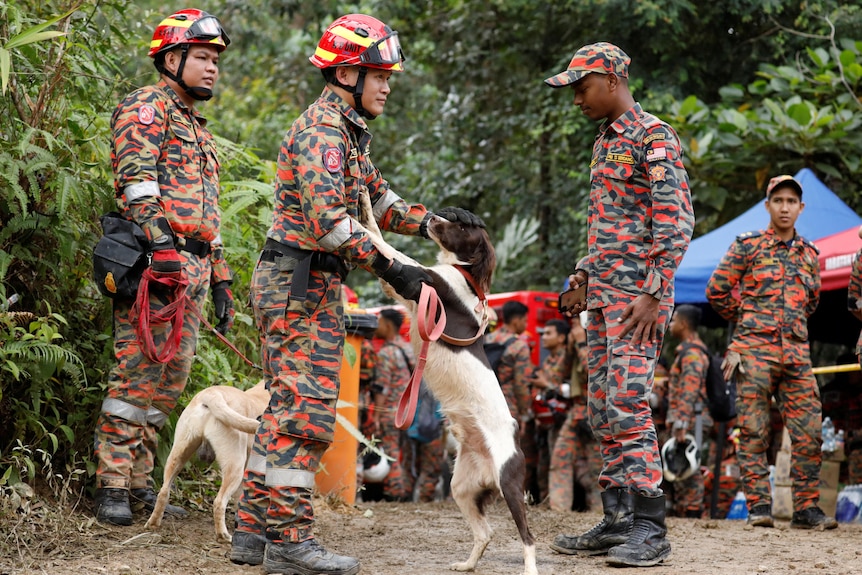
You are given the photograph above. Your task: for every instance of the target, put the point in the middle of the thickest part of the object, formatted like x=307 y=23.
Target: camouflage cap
x=601 y=57
x=784 y=181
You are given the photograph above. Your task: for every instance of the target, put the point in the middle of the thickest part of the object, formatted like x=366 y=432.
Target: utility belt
x=196 y=247
x=301 y=262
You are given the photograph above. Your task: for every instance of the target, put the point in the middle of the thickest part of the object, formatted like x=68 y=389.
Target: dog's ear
x=484 y=259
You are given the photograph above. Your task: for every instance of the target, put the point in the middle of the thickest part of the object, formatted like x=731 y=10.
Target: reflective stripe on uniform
x=140 y=190
x=256 y=463
x=125 y=410
x=382 y=205
x=156 y=418
x=339 y=234
x=282 y=477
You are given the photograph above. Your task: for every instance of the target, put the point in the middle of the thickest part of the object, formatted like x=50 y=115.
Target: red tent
x=836 y=258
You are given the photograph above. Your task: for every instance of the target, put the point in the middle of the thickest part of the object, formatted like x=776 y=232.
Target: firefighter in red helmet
x=323 y=167
x=166 y=179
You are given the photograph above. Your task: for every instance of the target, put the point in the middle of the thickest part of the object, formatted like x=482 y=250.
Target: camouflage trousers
x=536 y=441
x=798 y=400
x=423 y=465
x=620 y=382
x=576 y=459
x=854 y=466
x=302 y=344
x=391 y=441
x=689 y=494
x=142 y=393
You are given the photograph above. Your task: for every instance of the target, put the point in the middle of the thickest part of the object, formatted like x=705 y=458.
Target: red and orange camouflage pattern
x=640 y=223
x=125 y=448
x=686 y=385
x=779 y=288
x=323 y=165
x=513 y=371
x=854 y=294
x=393 y=374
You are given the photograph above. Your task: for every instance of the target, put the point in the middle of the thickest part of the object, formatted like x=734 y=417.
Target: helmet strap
x=356 y=91
x=197 y=92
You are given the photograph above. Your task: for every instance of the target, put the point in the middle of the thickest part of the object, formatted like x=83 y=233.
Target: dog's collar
x=480 y=293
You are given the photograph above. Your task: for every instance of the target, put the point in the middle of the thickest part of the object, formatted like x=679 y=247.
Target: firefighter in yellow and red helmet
x=166 y=179
x=324 y=165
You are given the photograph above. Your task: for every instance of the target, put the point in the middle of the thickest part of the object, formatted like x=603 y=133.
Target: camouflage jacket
x=687 y=385
x=854 y=292
x=640 y=214
x=557 y=365
x=393 y=370
x=779 y=287
x=323 y=164
x=514 y=371
x=165 y=166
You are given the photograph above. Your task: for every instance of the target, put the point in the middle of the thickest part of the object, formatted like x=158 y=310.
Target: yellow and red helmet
x=359 y=40
x=189 y=26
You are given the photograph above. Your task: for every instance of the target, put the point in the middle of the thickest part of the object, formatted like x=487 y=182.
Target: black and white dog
x=489 y=459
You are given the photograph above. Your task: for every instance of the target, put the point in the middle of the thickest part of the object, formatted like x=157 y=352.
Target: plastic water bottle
x=738 y=509
x=828 y=435
x=849 y=503
x=772 y=480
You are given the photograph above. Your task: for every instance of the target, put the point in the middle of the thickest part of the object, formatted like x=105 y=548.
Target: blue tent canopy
x=824 y=215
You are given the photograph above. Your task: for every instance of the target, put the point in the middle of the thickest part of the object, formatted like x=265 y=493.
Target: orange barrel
x=337 y=475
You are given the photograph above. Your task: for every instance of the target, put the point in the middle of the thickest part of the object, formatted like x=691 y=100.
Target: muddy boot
x=647 y=544
x=306 y=558
x=144 y=499
x=112 y=506
x=612 y=530
x=247 y=548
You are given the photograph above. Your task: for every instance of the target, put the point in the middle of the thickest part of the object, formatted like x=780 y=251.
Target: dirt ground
x=420 y=539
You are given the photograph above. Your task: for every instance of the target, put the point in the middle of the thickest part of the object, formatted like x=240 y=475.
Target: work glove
x=732 y=362
x=224 y=312
x=166 y=263
x=466 y=217
x=406 y=280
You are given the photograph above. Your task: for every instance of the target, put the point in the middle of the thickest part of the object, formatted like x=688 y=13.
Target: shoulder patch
x=657 y=174
x=747 y=235
x=332 y=159
x=146 y=114
x=656 y=153
x=653 y=137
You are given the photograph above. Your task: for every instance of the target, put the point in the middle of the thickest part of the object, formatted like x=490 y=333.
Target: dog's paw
x=463 y=566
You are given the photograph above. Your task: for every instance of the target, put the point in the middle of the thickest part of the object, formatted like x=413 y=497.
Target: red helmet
x=359 y=40
x=190 y=26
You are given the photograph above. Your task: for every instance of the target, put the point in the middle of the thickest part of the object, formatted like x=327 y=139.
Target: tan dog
x=225 y=417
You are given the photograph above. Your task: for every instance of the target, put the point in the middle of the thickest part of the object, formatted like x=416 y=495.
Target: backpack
x=720 y=394
x=427 y=423
x=494 y=351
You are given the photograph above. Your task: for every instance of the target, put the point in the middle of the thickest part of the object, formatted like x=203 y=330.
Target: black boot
x=612 y=530
x=112 y=506
x=306 y=558
x=144 y=499
x=647 y=544
x=247 y=548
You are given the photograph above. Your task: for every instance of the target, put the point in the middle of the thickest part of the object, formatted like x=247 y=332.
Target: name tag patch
x=620 y=158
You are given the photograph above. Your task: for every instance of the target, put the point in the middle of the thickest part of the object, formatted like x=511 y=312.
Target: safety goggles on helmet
x=207 y=28
x=384 y=52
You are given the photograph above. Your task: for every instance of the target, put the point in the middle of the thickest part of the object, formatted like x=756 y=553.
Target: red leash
x=172 y=314
x=430 y=329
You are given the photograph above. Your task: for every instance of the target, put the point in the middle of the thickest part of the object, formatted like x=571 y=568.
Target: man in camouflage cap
x=323 y=167
x=640 y=224
x=768 y=284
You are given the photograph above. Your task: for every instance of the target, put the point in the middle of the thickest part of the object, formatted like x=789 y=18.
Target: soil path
x=423 y=539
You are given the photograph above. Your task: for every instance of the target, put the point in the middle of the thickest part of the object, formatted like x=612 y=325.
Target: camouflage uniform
x=513 y=371
x=165 y=167
x=423 y=465
x=576 y=456
x=779 y=287
x=394 y=361
x=853 y=440
x=323 y=164
x=640 y=225
x=557 y=366
x=685 y=388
